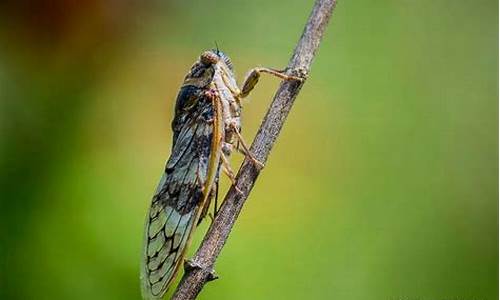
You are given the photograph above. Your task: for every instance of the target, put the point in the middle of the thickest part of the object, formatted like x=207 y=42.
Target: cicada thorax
x=228 y=94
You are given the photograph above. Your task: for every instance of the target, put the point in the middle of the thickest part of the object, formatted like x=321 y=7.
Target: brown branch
x=200 y=269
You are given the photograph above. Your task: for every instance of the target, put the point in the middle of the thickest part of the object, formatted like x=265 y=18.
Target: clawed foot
x=259 y=165
x=299 y=75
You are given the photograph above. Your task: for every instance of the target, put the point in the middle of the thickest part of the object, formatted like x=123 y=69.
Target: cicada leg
x=254 y=75
x=246 y=149
x=213 y=193
x=216 y=206
x=226 y=167
x=248 y=85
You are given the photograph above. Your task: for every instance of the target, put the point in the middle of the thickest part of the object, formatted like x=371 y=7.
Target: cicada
x=206 y=129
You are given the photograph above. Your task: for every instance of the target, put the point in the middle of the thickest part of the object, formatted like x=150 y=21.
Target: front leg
x=254 y=75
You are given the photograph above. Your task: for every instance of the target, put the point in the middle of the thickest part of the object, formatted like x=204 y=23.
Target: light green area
x=383 y=184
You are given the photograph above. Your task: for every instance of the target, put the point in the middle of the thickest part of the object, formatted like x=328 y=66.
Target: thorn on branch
x=190 y=265
x=212 y=276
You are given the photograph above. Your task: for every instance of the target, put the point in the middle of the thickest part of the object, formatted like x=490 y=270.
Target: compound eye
x=209 y=58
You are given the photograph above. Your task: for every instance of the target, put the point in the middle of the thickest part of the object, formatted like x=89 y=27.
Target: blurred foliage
x=383 y=185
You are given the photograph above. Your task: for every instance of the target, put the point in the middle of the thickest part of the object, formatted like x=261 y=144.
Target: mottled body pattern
x=207 y=110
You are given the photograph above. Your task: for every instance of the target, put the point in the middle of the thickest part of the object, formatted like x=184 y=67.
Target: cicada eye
x=225 y=58
x=209 y=58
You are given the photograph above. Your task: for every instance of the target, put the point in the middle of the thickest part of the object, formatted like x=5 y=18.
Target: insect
x=206 y=130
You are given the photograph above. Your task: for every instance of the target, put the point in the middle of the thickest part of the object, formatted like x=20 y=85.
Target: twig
x=200 y=269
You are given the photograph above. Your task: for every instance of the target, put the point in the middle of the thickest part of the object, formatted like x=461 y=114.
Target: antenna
x=217 y=47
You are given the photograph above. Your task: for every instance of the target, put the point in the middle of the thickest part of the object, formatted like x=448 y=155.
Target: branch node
x=190 y=265
x=212 y=276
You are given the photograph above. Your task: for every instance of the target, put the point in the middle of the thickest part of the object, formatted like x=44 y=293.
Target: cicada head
x=214 y=56
x=203 y=70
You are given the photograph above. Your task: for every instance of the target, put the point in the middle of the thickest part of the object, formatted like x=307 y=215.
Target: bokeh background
x=383 y=184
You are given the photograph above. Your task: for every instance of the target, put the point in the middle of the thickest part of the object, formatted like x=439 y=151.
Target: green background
x=383 y=184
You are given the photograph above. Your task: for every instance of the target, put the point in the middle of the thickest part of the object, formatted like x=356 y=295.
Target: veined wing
x=180 y=195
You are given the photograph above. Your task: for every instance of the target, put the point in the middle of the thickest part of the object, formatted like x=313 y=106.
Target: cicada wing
x=176 y=207
x=167 y=234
